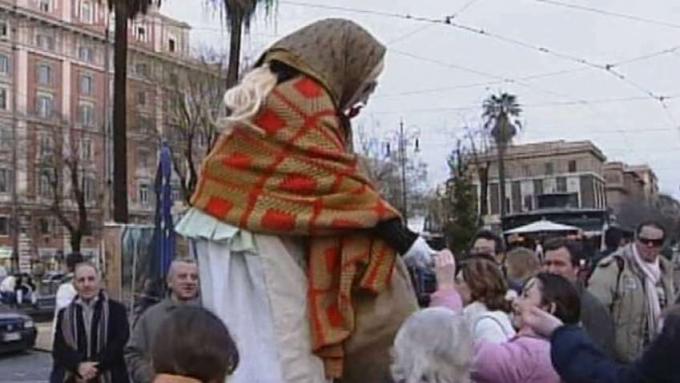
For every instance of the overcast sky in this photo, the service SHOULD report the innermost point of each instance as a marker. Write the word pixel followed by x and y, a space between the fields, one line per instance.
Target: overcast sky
pixel 436 76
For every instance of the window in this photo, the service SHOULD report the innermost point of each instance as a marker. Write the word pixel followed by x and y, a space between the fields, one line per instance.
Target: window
pixel 45 145
pixel 89 189
pixel 45 106
pixel 144 194
pixel 538 187
pixel 86 85
pixel 86 54
pixel 549 168
pixel 529 202
pixel 142 69
pixel 145 124
pixel 561 184
pixel 86 12
pixel 171 45
pixel 45 5
pixel 5 180
pixel 141 34
pixel 4 225
pixel 45 226
pixel 141 98
pixel 526 172
pixel 89 226
pixel 4 29
pixel 44 74
pixel 4 64
pixel 45 188
pixel 86 114
pixel 5 137
pixel 45 42
pixel 4 99
pixel 143 159
pixel 86 150
pixel 572 166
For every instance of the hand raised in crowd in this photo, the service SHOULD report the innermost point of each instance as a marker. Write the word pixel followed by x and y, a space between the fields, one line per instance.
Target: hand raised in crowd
pixel 445 269
pixel 88 370
pixel 542 322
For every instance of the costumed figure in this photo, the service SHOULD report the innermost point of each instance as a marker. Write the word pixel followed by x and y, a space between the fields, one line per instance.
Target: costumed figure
pixel 297 251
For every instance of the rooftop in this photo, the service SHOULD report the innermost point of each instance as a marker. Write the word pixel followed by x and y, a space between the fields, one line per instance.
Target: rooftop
pixel 551 148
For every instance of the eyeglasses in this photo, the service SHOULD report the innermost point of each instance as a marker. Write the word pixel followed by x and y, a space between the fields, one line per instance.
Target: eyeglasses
pixel 651 242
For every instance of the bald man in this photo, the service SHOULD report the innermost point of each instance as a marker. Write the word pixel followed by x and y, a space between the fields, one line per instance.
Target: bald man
pixel 183 284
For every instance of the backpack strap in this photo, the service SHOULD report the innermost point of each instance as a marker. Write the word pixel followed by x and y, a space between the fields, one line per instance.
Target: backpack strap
pixel 620 263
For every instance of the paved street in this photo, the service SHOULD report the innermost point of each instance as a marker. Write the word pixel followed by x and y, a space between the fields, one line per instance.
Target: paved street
pixel 31 367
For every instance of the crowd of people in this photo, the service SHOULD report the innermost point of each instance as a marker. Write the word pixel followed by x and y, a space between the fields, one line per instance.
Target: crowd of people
pixel 557 329
pixel 301 267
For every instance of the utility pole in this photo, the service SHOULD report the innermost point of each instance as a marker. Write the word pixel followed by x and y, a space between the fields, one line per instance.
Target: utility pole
pixel 402 158
pixel 404 141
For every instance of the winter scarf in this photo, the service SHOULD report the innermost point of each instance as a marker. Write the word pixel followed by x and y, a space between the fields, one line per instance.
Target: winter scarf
pixel 652 274
pixel 69 328
pixel 299 179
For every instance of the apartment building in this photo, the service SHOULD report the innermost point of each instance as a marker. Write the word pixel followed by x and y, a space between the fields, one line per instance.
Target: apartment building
pixel 556 174
pixel 56 72
pixel 629 183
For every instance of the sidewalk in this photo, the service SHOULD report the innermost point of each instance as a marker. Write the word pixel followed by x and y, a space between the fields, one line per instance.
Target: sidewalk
pixel 44 340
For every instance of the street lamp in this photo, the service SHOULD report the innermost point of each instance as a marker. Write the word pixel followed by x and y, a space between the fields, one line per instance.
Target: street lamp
pixel 404 140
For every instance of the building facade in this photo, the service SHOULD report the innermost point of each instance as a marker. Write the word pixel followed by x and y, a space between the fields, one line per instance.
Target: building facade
pixel 629 184
pixel 56 76
pixel 556 174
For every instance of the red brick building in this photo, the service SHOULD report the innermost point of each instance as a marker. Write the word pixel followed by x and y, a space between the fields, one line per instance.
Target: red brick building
pixel 56 80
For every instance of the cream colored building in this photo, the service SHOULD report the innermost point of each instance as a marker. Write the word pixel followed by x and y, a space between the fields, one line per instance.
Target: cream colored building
pixel 625 183
pixel 556 174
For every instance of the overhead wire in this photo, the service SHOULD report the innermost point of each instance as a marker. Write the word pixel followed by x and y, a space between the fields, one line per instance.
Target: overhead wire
pixel 448 20
pixel 539 105
pixel 647 56
pixel 610 13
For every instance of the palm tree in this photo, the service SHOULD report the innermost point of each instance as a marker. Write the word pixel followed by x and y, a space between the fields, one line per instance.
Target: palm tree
pixel 501 115
pixel 124 11
pixel 238 15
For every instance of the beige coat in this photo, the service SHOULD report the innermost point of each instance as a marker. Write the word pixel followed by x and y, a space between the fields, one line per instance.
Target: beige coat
pixel 621 290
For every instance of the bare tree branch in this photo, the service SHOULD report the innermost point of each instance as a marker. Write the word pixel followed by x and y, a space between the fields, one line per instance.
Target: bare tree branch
pixel 194 94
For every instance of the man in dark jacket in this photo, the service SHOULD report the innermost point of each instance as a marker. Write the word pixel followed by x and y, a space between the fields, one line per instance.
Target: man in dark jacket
pixel 183 284
pixel 90 334
pixel 564 257
pixel 577 360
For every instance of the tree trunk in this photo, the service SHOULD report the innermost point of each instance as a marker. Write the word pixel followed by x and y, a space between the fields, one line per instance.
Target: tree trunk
pixel 501 175
pixel 76 239
pixel 120 191
pixel 236 29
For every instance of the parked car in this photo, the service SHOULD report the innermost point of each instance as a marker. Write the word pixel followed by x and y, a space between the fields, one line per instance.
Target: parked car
pixel 50 282
pixel 17 330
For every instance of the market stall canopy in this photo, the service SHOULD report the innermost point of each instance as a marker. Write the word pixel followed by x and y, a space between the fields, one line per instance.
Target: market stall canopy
pixel 543 226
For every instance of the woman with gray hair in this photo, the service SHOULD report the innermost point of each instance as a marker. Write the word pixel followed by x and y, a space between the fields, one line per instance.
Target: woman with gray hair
pixel 433 345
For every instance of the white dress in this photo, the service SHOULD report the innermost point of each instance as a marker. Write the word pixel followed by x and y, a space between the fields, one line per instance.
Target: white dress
pixel 245 279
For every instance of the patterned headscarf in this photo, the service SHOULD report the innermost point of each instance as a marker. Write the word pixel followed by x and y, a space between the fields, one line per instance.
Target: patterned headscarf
pixel 338 53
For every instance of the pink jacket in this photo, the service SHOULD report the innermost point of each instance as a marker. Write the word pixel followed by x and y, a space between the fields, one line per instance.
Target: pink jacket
pixel 523 359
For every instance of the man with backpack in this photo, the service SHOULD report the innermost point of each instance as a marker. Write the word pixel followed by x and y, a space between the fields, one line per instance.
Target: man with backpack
pixel 636 284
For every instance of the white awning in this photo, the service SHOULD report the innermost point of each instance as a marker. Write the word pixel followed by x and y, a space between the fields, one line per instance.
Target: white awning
pixel 543 226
